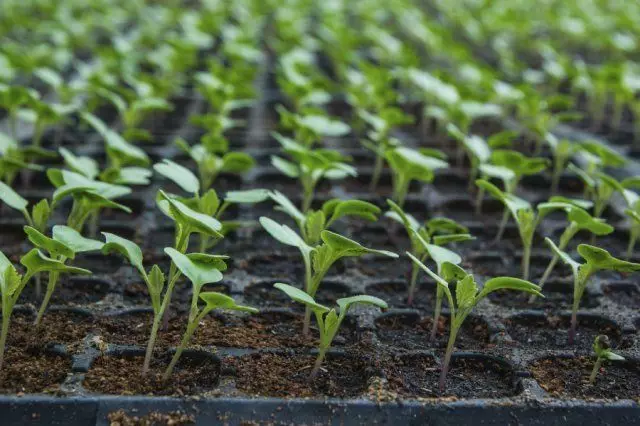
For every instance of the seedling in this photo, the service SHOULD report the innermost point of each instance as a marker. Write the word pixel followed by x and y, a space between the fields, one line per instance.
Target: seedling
pixel 309 166
pixel 602 349
pixel 40 213
pixel 596 259
pixel 89 196
pixel 634 231
pixel 209 203
pixel 65 243
pixel 408 165
pixel 12 98
pixel 212 156
pixel 328 320
pixel 309 129
pixel 525 217
pixel 15 158
pixel 318 259
pixel 435 232
pixel 201 269
pixel 579 220
pixel 312 223
pixel 562 150
pixel 467 297
pixel 520 165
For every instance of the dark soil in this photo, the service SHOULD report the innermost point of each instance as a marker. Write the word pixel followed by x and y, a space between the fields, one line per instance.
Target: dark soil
pixel 287 375
pixel 120 375
pixel 569 377
pixel 382 268
pixel 409 331
pixel 32 371
pixel 469 377
pixel 623 293
pixel 58 326
pixel 69 291
pixel 558 296
pixel 264 330
pixel 173 418
pixel 550 332
pixel 285 267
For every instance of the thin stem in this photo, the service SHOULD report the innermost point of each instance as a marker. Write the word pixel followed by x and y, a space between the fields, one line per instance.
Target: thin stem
pixel 447 357
pixel 479 198
pixel 377 171
pixel 191 328
pixel 545 276
pixel 594 372
pixel 436 314
pixel 6 317
pixel 307 285
pixel 526 260
pixel 316 366
pixel 412 283
pixel 51 286
pixel 503 224
pixel 633 236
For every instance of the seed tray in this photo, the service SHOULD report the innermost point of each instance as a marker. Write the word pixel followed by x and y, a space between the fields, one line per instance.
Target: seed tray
pixel 393 359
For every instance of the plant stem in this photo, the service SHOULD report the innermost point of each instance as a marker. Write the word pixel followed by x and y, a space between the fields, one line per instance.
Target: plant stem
pixel 594 372
pixel 479 197
pixel 436 314
pixel 503 224
pixel 191 328
pixel 51 286
pixel 6 317
pixel 546 274
pixel 447 357
pixel 633 236
pixel 412 283
pixel 526 259
pixel 308 285
pixel 316 366
pixel 377 171
pixel 574 320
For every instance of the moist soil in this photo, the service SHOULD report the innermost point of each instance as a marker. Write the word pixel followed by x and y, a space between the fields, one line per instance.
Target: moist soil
pixel 264 330
pixel 118 375
pixel 411 332
pixel 395 294
pixel 173 418
pixel 58 326
pixel 569 377
pixel 623 293
pixel 69 291
pixel 552 332
pixel 469 377
pixel 287 375
pixel 32 370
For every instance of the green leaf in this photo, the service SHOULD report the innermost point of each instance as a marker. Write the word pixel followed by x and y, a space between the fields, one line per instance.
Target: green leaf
pixel 324 126
pixel 133 176
pixel 301 297
pixel 126 248
pixel 285 205
pixel 452 272
pixel 601 259
pixel 441 283
pixel 314 224
pixel 250 196
pixel 284 234
pixel 198 271
pixel 466 291
pixel 4 263
pixel 519 163
pixel 86 166
pixel 575 266
pixel 72 239
pixel 344 247
pixel 509 283
pixel 156 281
pixel 285 167
pixel 185 216
pixel 36 262
pixel 11 198
pixel 440 255
pixel 608 157
pixel 182 176
pixel 54 247
pixel 585 221
pixel 209 203
pixel 40 214
pixel 10 281
pixel 441 240
pixel 237 162
pixel 216 300
pixel 346 302
pixel 335 209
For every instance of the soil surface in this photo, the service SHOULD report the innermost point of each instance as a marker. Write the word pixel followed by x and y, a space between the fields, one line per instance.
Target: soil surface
pixel 558 296
pixel 32 371
pixel 173 418
pixel 409 331
pixel 121 376
pixel 473 377
pixel 287 375
pixel 623 293
pixel 63 327
pixel 569 377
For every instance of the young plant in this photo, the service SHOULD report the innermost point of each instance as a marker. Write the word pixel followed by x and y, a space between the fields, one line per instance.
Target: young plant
pixel 12 98
pixel 309 166
pixel 309 129
pixel 64 244
pixel 212 156
pixel 15 158
pixel 596 259
pixel 408 165
pixel 12 284
pixel 579 220
pixel 634 231
pixel 562 151
pixel 602 349
pixel 524 216
pixel 318 259
pixel 468 295
pixel 327 319
pixel 209 203
pixel 437 231
pixel 200 269
pixel 89 196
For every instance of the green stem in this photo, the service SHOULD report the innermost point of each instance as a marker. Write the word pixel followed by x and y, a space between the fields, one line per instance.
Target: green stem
pixel 633 236
pixel 191 328
pixel 526 260
pixel 594 372
pixel 316 366
pixel 503 224
pixel 51 286
pixel 412 283
pixel 447 357
pixel 436 314
pixel 377 171
pixel 308 285
pixel 6 317
pixel 479 198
